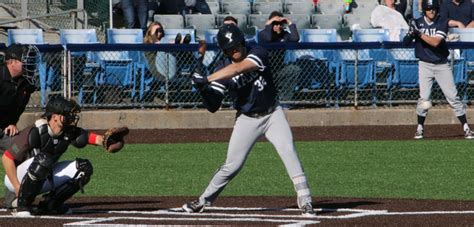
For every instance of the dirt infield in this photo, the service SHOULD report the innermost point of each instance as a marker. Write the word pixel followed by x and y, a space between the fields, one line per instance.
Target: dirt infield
pixel 255 211
pixel 269 211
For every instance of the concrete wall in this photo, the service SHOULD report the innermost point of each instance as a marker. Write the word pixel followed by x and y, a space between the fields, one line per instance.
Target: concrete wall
pixel 172 119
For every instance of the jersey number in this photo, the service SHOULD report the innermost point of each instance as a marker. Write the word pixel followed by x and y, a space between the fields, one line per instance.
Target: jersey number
pixel 260 83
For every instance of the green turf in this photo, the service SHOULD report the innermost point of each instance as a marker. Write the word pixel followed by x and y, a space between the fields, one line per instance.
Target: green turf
pixel 426 169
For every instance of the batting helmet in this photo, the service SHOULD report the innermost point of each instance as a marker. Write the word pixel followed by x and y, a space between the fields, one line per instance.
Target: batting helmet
pixel 430 4
pixel 68 108
pixel 229 36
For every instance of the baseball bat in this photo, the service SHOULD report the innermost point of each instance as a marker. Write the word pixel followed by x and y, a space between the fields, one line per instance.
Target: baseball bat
pixel 202 52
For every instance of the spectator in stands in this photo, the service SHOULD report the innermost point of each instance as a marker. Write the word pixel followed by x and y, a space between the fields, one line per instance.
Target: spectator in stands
pixel 404 7
pixel 184 7
pixel 230 20
pixel 459 13
pixel 276 30
pixel 416 9
pixel 347 6
pixel 133 10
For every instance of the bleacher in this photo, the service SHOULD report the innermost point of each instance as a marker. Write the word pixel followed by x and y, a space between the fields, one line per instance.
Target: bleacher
pixel 252 15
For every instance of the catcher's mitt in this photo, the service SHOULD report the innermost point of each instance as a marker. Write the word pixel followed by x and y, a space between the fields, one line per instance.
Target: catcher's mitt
pixel 113 139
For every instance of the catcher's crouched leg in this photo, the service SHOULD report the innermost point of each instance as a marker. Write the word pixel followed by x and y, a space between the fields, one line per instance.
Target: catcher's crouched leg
pixel 53 201
pixel 31 185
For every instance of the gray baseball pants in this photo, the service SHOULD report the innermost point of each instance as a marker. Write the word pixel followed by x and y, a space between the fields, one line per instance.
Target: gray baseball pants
pixel 442 73
pixel 246 131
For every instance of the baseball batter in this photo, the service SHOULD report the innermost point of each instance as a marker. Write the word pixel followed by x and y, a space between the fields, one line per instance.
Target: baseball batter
pixel 429 33
pixel 32 164
pixel 245 74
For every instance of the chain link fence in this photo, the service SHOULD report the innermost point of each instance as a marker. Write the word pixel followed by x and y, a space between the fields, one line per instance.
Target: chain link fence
pixel 314 75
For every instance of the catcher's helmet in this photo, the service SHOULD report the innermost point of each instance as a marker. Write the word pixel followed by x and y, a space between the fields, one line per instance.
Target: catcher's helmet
pixel 229 36
pixel 67 108
pixel 430 4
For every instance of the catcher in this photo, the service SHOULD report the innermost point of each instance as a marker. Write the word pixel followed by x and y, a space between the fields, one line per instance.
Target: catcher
pixel 31 162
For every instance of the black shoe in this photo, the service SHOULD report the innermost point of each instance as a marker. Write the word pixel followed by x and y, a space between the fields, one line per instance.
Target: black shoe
pixel 177 40
pixel 194 207
pixel 46 207
pixel 44 210
pixel 187 39
pixel 307 210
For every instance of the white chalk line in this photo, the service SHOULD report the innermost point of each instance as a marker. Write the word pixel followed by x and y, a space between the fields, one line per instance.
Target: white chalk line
pixel 207 216
pixel 299 222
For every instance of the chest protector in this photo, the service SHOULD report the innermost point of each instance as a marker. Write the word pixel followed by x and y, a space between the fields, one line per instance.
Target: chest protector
pixel 41 140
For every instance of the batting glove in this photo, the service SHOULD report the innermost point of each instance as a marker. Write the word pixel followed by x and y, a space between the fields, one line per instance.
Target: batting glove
pixel 198 80
pixel 414 31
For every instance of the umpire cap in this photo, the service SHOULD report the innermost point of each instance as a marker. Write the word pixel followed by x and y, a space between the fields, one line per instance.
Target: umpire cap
pixel 60 105
pixel 14 51
pixel 229 36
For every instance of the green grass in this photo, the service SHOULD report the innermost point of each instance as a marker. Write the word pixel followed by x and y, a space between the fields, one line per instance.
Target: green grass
pixel 426 169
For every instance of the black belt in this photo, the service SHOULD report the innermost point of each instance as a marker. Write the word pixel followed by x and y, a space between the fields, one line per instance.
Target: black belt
pixel 260 114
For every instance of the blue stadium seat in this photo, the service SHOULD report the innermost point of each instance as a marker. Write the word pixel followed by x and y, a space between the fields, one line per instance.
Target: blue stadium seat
pixel 355 74
pixel 465 35
pixel 317 65
pixel 84 64
pixel 382 64
pixel 122 69
pixel 47 75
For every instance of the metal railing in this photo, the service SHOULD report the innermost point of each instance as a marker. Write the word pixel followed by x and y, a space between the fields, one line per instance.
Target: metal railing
pixel 72 13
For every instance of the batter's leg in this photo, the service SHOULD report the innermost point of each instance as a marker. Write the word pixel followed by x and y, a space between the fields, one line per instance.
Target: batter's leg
pixel 279 134
pixel 246 132
pixel 444 77
pixel 426 77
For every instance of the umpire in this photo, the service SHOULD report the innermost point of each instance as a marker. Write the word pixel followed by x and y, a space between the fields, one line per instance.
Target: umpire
pixel 429 33
pixel 17 82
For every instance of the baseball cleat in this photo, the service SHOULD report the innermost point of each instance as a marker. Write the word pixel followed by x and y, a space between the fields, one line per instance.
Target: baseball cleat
pixel 307 210
pixel 194 207
pixel 418 135
pixel 21 213
pixel 468 134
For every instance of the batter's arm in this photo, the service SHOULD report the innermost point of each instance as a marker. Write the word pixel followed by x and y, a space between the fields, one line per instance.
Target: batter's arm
pixel 433 41
pixel 232 70
pixel 10 171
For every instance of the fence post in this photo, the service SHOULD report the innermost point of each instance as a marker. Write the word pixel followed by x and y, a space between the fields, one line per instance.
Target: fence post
pixel 67 74
pixel 24 14
pixel 356 78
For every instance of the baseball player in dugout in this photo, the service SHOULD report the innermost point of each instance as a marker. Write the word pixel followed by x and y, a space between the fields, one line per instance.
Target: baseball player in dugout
pixel 245 73
pixel 31 162
pixel 17 82
pixel 429 34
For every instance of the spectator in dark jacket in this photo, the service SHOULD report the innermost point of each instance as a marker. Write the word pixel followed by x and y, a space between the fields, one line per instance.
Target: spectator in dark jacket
pixel 276 30
pixel 459 13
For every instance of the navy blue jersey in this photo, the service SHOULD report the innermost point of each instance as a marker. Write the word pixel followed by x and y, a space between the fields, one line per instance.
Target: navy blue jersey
pixel 251 92
pixel 427 53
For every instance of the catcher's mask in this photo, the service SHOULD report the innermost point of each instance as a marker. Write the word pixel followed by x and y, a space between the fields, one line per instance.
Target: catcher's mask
pixel 29 55
pixel 68 108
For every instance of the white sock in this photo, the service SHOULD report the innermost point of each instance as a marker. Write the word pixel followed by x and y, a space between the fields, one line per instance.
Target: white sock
pixel 420 128
pixel 466 127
